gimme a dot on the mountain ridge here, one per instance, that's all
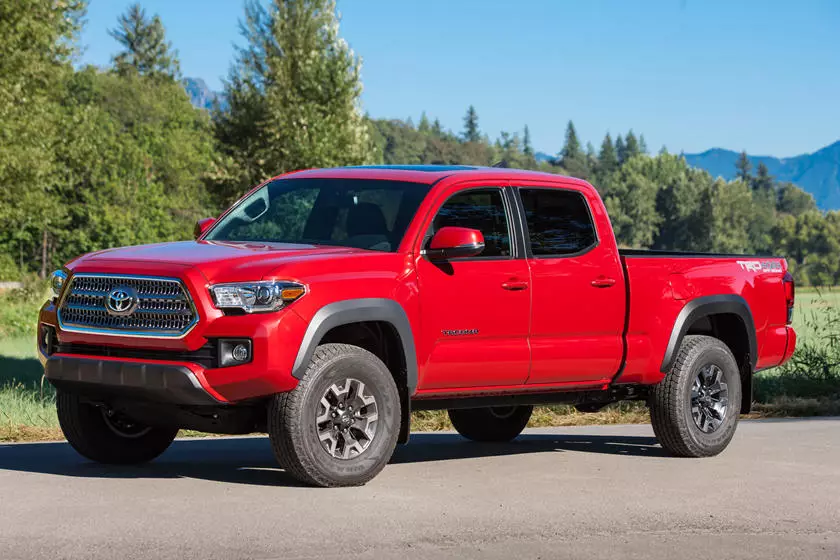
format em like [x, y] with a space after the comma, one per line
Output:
[200, 94]
[817, 173]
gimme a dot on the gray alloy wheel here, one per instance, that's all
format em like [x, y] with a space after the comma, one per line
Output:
[709, 398]
[502, 412]
[347, 419]
[122, 425]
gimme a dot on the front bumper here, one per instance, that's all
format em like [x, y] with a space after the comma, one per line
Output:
[276, 338]
[108, 379]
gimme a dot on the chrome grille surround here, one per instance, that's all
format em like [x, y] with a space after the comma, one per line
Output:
[164, 308]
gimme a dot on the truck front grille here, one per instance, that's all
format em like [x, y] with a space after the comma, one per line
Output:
[127, 305]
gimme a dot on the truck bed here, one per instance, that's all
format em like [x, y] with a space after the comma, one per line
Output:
[661, 283]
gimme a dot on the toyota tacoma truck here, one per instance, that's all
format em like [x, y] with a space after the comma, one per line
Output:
[326, 305]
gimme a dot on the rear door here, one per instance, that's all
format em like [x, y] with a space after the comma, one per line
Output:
[475, 311]
[577, 286]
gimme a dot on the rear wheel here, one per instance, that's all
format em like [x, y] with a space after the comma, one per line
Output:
[694, 410]
[107, 436]
[494, 423]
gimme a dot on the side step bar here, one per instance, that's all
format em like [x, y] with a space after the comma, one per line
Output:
[611, 395]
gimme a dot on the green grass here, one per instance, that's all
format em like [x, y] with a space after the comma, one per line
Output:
[814, 310]
[27, 409]
[27, 415]
[814, 371]
[19, 309]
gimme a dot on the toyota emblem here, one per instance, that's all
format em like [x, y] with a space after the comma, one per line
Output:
[121, 301]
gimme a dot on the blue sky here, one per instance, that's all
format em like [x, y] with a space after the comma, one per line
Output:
[759, 75]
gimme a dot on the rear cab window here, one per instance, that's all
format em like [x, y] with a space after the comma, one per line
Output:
[559, 222]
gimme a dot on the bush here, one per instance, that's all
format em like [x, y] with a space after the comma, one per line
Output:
[19, 308]
[9, 270]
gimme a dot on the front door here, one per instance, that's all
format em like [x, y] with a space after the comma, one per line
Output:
[475, 310]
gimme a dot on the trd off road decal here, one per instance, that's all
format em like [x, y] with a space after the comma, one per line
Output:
[760, 266]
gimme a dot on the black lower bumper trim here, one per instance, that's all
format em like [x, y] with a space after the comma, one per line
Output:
[107, 379]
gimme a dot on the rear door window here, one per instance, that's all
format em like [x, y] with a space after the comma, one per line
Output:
[559, 222]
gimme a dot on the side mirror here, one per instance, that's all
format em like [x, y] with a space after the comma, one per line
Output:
[454, 242]
[203, 225]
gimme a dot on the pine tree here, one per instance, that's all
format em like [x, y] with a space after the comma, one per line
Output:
[743, 166]
[437, 128]
[571, 149]
[145, 48]
[607, 160]
[471, 131]
[527, 149]
[293, 96]
[620, 150]
[763, 181]
[572, 158]
[632, 147]
[424, 125]
[642, 144]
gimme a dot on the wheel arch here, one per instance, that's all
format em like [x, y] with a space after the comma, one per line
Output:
[728, 318]
[341, 321]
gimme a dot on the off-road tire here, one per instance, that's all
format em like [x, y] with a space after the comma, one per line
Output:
[87, 431]
[293, 430]
[502, 423]
[670, 400]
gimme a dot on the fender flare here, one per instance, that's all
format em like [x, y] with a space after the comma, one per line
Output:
[355, 311]
[703, 307]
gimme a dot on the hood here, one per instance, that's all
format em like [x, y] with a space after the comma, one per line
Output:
[218, 261]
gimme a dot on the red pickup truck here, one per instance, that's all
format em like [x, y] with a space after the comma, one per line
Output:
[325, 305]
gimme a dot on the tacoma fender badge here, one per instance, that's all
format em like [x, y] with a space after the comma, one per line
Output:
[458, 332]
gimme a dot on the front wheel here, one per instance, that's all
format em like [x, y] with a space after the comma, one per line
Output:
[106, 436]
[694, 410]
[493, 423]
[339, 426]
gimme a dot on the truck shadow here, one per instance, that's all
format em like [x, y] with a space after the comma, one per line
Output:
[249, 460]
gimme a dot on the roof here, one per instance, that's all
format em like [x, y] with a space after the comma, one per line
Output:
[426, 174]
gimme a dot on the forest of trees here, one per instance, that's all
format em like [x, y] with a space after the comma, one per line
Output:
[99, 157]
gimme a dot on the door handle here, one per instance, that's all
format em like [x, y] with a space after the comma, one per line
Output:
[603, 282]
[514, 285]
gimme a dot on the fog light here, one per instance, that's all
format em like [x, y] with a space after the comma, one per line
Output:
[235, 351]
[240, 353]
[46, 340]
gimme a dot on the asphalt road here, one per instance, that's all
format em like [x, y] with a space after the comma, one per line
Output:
[586, 492]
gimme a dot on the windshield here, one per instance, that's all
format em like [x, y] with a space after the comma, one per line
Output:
[361, 213]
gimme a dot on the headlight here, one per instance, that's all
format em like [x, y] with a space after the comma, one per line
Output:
[57, 279]
[256, 297]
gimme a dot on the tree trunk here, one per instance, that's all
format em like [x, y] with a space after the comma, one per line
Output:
[44, 255]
